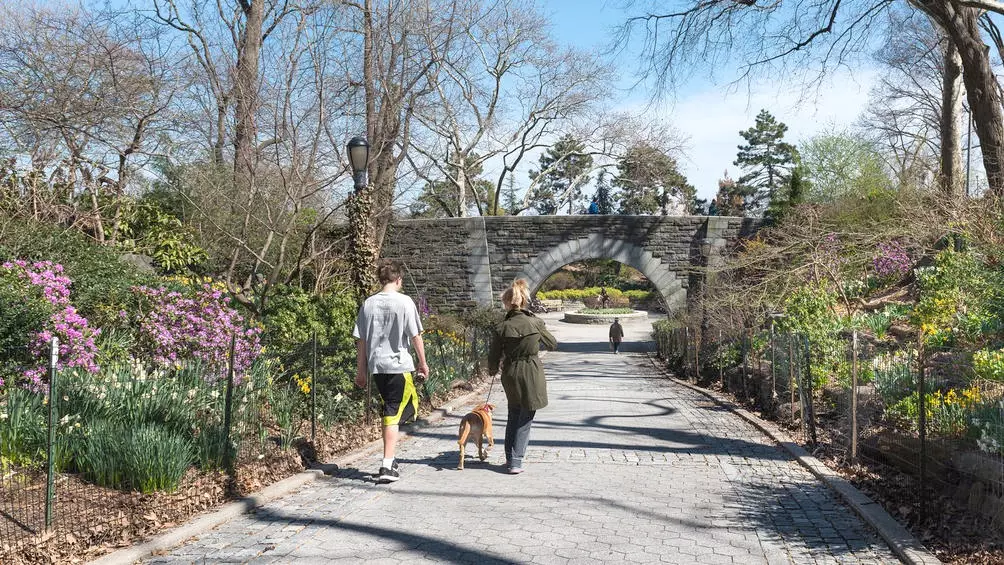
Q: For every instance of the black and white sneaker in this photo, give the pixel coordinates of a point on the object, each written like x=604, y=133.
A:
x=386, y=475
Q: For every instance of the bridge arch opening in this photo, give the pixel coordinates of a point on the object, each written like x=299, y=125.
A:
x=583, y=281
x=669, y=287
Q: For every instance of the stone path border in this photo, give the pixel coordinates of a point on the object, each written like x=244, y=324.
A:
x=900, y=540
x=202, y=524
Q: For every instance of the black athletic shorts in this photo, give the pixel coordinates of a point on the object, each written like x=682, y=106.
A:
x=400, y=398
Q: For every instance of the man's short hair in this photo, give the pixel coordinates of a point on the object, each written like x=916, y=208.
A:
x=617, y=320
x=389, y=270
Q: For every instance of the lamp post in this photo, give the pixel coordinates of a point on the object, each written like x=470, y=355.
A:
x=361, y=253
x=359, y=158
x=362, y=256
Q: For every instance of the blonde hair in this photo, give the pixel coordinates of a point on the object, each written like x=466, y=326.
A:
x=517, y=296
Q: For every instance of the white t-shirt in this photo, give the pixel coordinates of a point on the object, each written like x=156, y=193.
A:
x=386, y=322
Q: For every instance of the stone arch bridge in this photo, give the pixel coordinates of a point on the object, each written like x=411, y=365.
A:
x=459, y=262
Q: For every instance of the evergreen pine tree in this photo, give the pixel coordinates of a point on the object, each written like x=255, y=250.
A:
x=510, y=205
x=767, y=161
x=560, y=176
x=604, y=193
x=649, y=182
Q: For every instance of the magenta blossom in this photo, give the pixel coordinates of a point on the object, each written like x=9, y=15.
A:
x=174, y=327
x=77, y=347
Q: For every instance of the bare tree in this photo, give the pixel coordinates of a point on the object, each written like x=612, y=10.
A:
x=83, y=97
x=781, y=38
x=501, y=54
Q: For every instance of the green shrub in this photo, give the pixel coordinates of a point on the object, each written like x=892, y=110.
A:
x=809, y=311
x=989, y=365
x=609, y=311
x=289, y=411
x=209, y=446
x=449, y=359
x=895, y=377
x=561, y=280
x=579, y=294
x=101, y=281
x=23, y=314
x=147, y=458
x=292, y=316
x=960, y=301
x=988, y=426
x=23, y=417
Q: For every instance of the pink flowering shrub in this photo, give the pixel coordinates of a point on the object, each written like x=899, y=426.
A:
x=891, y=260
x=173, y=327
x=76, y=338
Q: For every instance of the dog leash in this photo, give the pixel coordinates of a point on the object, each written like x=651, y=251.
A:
x=490, y=386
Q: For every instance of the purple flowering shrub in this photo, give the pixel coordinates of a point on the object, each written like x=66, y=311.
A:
x=77, y=347
x=172, y=327
x=891, y=260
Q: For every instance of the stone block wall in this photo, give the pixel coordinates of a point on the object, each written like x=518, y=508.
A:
x=459, y=262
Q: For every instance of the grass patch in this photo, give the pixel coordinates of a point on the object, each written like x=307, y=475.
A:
x=607, y=311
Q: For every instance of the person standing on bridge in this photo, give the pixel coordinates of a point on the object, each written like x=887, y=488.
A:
x=387, y=322
x=616, y=335
x=515, y=346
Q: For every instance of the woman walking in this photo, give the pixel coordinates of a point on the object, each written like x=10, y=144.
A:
x=515, y=345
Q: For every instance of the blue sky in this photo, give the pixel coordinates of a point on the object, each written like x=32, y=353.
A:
x=708, y=114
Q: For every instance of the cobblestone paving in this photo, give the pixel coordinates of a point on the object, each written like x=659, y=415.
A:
x=623, y=467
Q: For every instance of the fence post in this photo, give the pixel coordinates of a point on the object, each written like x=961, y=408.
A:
x=792, y=382
x=228, y=403
x=313, y=389
x=50, y=482
x=773, y=375
x=810, y=413
x=721, y=360
x=745, y=346
x=854, y=397
x=922, y=393
x=686, y=346
x=698, y=338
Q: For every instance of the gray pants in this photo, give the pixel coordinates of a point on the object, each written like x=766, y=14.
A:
x=517, y=434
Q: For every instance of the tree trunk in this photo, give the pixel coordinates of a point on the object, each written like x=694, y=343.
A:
x=961, y=24
x=951, y=108
x=462, y=190
x=246, y=94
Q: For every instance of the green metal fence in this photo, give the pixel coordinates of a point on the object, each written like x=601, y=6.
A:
x=93, y=441
x=924, y=413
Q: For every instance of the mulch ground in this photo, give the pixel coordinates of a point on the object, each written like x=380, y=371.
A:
x=94, y=520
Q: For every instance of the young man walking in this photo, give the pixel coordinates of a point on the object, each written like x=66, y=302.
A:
x=386, y=323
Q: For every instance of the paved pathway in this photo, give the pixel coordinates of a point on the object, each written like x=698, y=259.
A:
x=623, y=467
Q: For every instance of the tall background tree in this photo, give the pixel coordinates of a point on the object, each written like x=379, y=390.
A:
x=604, y=195
x=767, y=161
x=649, y=182
x=562, y=172
x=686, y=35
x=730, y=198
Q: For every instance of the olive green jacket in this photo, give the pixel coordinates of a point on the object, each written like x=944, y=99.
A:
x=515, y=344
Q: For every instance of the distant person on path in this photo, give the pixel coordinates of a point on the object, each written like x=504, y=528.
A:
x=616, y=334
x=604, y=297
x=594, y=206
x=515, y=345
x=387, y=321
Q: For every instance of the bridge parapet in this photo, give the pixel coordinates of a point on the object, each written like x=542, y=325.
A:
x=459, y=262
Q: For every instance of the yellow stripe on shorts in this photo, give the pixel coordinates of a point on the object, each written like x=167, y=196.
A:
x=410, y=396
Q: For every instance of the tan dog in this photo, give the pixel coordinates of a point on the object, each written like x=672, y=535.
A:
x=477, y=425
